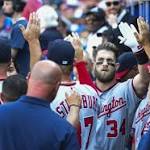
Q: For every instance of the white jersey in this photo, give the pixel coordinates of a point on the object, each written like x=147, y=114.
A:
x=1, y=83
x=141, y=122
x=115, y=116
x=88, y=111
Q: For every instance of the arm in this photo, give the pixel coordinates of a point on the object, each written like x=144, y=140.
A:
x=132, y=39
x=31, y=34
x=141, y=81
x=84, y=76
x=74, y=102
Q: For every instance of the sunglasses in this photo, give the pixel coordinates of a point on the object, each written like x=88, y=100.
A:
x=115, y=3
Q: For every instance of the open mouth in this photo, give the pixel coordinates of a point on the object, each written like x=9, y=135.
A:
x=105, y=70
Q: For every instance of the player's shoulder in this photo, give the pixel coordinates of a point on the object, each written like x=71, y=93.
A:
x=85, y=87
x=124, y=84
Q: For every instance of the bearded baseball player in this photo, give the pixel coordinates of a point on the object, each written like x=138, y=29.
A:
x=117, y=101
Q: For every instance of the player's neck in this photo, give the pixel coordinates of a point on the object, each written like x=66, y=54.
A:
x=105, y=86
x=66, y=78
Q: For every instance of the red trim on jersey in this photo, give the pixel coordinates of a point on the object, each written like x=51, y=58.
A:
x=84, y=76
x=2, y=79
x=107, y=89
x=71, y=83
x=79, y=134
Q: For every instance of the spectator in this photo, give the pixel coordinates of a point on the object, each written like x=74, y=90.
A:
x=43, y=128
x=19, y=47
x=13, y=88
x=5, y=26
x=97, y=26
x=31, y=6
x=5, y=60
x=8, y=8
x=117, y=13
x=48, y=25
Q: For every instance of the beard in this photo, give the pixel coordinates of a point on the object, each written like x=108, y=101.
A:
x=8, y=14
x=104, y=78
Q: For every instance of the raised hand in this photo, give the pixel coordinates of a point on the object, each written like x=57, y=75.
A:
x=143, y=37
x=32, y=31
x=128, y=37
x=77, y=45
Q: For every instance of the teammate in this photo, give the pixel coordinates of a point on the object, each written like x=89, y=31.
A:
x=141, y=123
x=118, y=101
x=62, y=52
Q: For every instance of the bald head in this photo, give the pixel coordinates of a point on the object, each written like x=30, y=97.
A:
x=44, y=80
x=46, y=71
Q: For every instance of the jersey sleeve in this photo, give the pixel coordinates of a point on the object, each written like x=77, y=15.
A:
x=84, y=76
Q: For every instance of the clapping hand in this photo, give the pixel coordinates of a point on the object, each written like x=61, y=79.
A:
x=32, y=31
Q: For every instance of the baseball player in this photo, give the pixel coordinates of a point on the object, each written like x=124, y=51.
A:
x=140, y=121
x=62, y=52
x=118, y=101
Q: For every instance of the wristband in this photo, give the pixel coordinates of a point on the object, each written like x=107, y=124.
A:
x=141, y=57
x=75, y=105
x=137, y=49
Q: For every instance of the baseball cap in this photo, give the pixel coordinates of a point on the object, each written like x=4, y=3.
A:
x=127, y=61
x=61, y=52
x=5, y=51
x=97, y=12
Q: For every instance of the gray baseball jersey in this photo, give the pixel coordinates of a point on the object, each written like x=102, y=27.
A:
x=88, y=111
x=141, y=122
x=115, y=116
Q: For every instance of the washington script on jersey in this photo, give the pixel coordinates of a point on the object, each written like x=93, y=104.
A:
x=88, y=101
x=113, y=106
x=143, y=112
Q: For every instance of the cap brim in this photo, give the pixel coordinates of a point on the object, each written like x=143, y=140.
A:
x=120, y=75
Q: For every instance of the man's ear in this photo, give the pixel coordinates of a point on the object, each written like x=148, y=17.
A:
x=2, y=99
x=117, y=66
x=28, y=76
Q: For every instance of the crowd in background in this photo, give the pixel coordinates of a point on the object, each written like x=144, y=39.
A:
x=52, y=47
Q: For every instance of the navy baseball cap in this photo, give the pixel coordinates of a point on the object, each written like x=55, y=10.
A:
x=5, y=51
x=97, y=12
x=61, y=52
x=127, y=61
